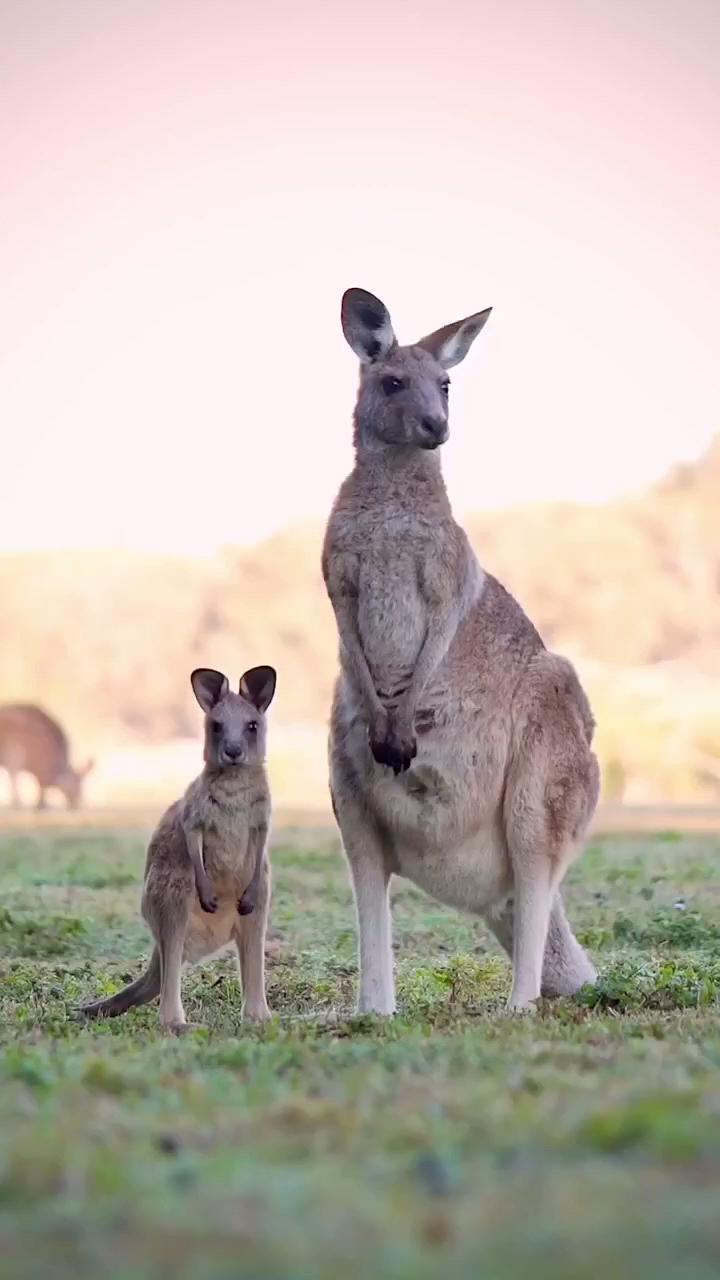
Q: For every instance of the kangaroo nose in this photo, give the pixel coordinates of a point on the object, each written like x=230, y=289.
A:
x=435, y=430
x=232, y=752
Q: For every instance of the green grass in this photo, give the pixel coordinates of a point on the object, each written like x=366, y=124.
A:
x=454, y=1141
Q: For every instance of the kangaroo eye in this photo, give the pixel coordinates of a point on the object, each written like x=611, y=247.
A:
x=252, y=726
x=390, y=385
x=445, y=387
x=216, y=726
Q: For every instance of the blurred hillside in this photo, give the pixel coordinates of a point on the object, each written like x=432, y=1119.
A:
x=629, y=590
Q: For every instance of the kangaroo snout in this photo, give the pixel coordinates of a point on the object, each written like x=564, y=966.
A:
x=434, y=432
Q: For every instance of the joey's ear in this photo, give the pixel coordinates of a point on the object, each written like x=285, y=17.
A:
x=367, y=325
x=208, y=686
x=86, y=768
x=258, y=686
x=451, y=344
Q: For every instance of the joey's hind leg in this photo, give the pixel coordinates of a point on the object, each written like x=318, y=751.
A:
x=249, y=938
x=168, y=919
x=171, y=946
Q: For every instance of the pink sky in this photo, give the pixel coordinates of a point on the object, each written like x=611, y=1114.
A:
x=189, y=185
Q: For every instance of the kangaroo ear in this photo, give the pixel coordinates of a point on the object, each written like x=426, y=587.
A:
x=208, y=686
x=86, y=768
x=258, y=686
x=367, y=325
x=451, y=344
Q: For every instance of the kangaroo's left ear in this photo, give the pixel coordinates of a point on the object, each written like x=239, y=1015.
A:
x=451, y=344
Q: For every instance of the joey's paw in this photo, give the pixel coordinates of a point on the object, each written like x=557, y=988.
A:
x=245, y=906
x=396, y=750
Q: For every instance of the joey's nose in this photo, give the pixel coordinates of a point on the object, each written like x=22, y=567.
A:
x=434, y=432
x=232, y=752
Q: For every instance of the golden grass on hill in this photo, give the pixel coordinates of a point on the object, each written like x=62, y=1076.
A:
x=629, y=590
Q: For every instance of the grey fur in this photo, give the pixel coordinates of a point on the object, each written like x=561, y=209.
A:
x=207, y=872
x=460, y=751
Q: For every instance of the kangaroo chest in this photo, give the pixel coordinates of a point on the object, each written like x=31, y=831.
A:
x=392, y=612
x=228, y=857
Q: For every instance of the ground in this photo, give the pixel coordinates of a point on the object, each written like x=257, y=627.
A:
x=454, y=1141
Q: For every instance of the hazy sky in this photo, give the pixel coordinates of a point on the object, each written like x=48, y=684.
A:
x=189, y=185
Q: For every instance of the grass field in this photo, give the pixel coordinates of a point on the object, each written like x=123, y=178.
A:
x=454, y=1141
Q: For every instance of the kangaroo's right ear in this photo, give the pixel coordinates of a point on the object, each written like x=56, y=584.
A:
x=367, y=325
x=208, y=686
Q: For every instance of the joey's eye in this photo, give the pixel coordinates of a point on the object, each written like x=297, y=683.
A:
x=252, y=726
x=390, y=385
x=216, y=726
x=445, y=387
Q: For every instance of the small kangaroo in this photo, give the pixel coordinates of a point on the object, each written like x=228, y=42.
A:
x=459, y=746
x=31, y=741
x=207, y=873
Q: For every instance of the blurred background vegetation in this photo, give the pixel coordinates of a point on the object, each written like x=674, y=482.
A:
x=630, y=590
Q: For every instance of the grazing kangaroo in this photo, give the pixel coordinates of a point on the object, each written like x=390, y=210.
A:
x=459, y=746
x=32, y=742
x=207, y=873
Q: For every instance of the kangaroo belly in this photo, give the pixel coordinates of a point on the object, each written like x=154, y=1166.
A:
x=450, y=798
x=229, y=866
x=471, y=876
x=447, y=836
x=208, y=933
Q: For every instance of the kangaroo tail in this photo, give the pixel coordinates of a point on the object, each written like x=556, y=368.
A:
x=142, y=990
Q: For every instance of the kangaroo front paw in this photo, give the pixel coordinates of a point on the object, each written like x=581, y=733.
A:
x=206, y=894
x=396, y=750
x=245, y=906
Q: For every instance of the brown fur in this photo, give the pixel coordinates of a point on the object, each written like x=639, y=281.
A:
x=33, y=742
x=207, y=872
x=459, y=747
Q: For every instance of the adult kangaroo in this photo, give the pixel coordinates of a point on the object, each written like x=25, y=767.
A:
x=459, y=746
x=32, y=741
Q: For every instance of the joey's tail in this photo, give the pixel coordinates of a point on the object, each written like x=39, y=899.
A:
x=142, y=990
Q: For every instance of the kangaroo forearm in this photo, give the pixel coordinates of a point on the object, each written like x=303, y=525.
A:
x=257, y=843
x=355, y=662
x=362, y=680
x=341, y=577
x=435, y=646
x=194, y=841
x=258, y=840
x=203, y=884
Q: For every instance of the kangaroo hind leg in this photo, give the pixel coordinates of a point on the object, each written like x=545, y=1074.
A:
x=549, y=799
